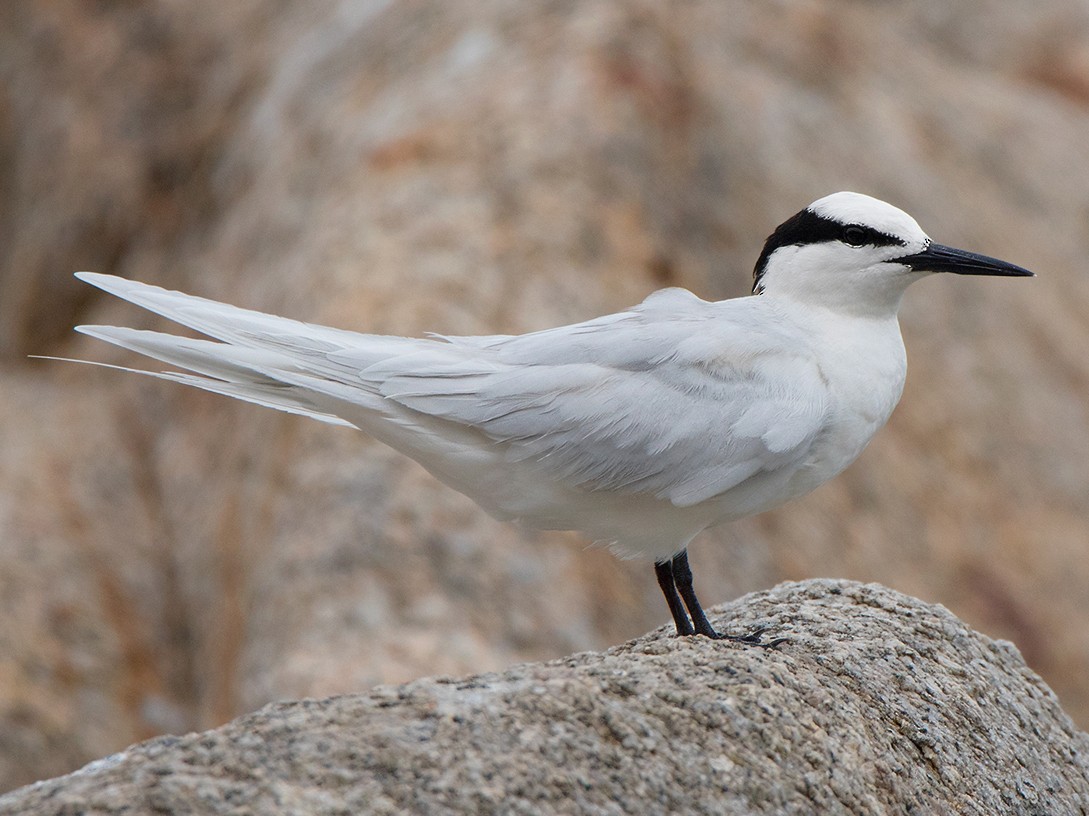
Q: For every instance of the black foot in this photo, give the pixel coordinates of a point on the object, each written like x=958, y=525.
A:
x=754, y=638
x=675, y=580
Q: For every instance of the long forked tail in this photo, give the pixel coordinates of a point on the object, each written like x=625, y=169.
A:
x=261, y=358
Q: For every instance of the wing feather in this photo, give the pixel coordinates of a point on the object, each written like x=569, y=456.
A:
x=638, y=403
x=676, y=397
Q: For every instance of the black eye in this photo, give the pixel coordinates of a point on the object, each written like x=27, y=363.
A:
x=854, y=236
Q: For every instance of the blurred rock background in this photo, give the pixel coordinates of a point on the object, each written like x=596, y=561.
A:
x=170, y=559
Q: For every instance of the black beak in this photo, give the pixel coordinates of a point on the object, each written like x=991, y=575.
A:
x=938, y=258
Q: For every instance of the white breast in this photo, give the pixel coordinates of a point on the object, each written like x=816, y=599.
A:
x=865, y=365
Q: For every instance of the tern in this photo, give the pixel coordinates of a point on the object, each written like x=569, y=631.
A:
x=640, y=428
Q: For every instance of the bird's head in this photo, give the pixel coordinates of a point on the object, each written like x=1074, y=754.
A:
x=854, y=253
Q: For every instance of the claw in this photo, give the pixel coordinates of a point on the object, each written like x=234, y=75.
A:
x=753, y=638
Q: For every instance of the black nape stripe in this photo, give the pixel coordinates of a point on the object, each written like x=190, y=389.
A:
x=807, y=227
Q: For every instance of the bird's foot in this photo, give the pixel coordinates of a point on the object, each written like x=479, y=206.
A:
x=751, y=638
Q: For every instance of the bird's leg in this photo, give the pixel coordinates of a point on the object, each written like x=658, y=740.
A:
x=664, y=571
x=682, y=578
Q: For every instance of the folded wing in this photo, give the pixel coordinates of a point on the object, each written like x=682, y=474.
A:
x=679, y=398
x=683, y=403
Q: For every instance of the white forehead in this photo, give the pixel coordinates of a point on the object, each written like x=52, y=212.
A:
x=856, y=208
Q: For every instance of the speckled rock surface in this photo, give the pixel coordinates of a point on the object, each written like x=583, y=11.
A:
x=875, y=703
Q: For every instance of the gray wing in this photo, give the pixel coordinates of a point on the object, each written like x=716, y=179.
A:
x=678, y=397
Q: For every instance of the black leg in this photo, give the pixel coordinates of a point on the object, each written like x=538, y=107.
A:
x=664, y=571
x=682, y=577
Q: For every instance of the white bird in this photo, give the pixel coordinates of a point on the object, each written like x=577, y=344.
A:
x=640, y=428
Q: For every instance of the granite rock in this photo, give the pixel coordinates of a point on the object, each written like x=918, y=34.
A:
x=874, y=703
